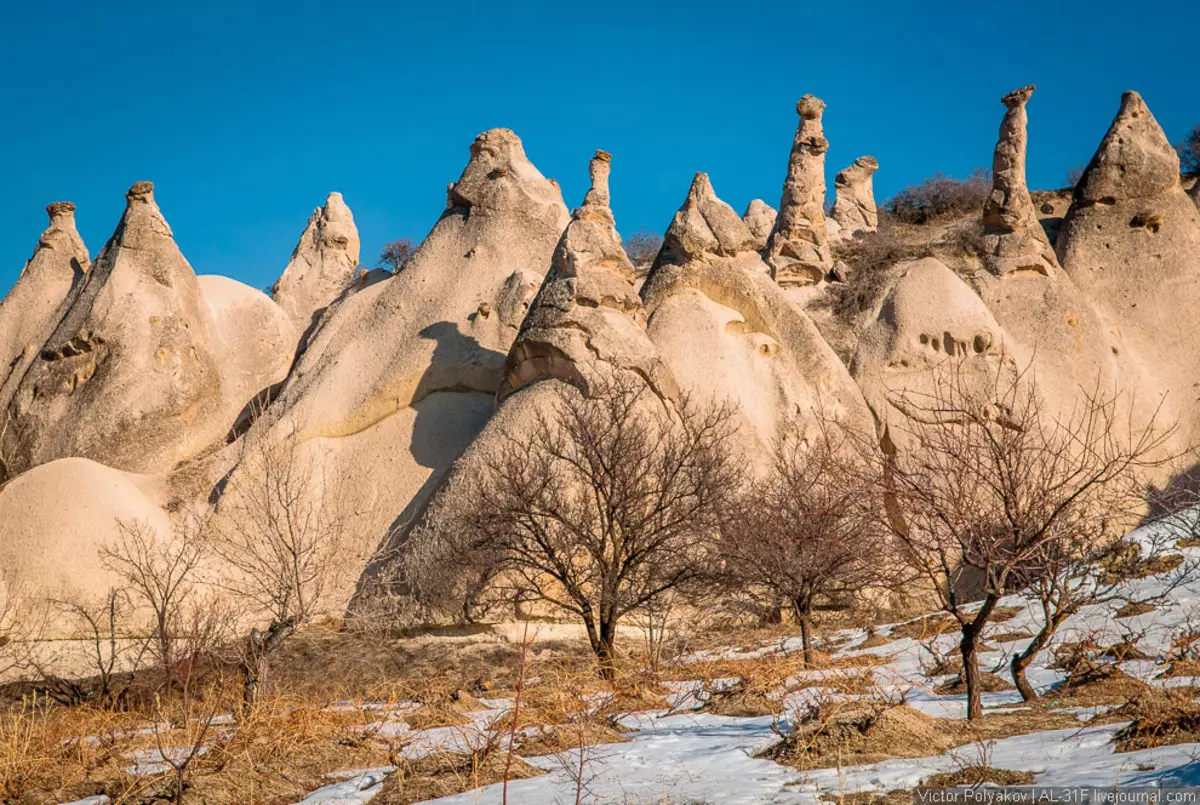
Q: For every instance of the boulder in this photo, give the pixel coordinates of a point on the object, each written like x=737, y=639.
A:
x=798, y=247
x=31, y=309
x=759, y=218
x=131, y=376
x=1014, y=240
x=854, y=209
x=323, y=264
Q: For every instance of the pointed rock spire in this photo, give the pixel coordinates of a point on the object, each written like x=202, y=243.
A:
x=1135, y=159
x=1013, y=237
x=129, y=376
x=854, y=209
x=705, y=225
x=587, y=312
x=759, y=217
x=323, y=264
x=32, y=307
x=798, y=249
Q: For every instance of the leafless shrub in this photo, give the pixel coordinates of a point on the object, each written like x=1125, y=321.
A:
x=642, y=247
x=810, y=532
x=396, y=254
x=610, y=503
x=1189, y=151
x=1075, y=174
x=282, y=522
x=940, y=196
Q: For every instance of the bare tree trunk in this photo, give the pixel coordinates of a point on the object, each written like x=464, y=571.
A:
x=804, y=613
x=969, y=645
x=256, y=664
x=606, y=651
x=1022, y=660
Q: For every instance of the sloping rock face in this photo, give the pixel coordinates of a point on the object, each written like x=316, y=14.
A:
x=585, y=326
x=798, y=248
x=400, y=376
x=587, y=310
x=759, y=218
x=854, y=209
x=131, y=375
x=729, y=333
x=1131, y=243
x=31, y=309
x=1013, y=238
x=323, y=263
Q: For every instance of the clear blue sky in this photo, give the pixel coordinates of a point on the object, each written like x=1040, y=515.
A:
x=245, y=114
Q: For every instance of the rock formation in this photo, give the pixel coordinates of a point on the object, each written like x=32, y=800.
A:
x=400, y=376
x=727, y=332
x=130, y=376
x=854, y=208
x=798, y=248
x=760, y=219
x=587, y=311
x=706, y=225
x=32, y=308
x=323, y=263
x=1014, y=239
x=1131, y=243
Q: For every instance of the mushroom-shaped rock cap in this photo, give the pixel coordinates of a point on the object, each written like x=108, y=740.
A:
x=140, y=192
x=1134, y=160
x=1018, y=97
x=63, y=211
x=811, y=107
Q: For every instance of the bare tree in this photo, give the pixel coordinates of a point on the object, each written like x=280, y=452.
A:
x=283, y=521
x=611, y=502
x=1189, y=150
x=1074, y=174
x=642, y=247
x=811, y=530
x=161, y=575
x=396, y=253
x=991, y=487
x=18, y=624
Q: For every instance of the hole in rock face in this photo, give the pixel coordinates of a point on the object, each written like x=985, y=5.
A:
x=1146, y=220
x=981, y=342
x=949, y=344
x=924, y=338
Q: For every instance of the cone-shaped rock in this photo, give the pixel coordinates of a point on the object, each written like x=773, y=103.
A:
x=31, y=309
x=705, y=225
x=1131, y=243
x=1013, y=237
x=323, y=263
x=798, y=249
x=728, y=332
x=587, y=310
x=129, y=377
x=854, y=208
x=399, y=376
x=759, y=218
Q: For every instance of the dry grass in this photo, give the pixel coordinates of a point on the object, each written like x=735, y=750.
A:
x=978, y=775
x=1089, y=684
x=926, y=627
x=1159, y=718
x=1009, y=637
x=988, y=682
x=854, y=732
x=1133, y=609
x=442, y=775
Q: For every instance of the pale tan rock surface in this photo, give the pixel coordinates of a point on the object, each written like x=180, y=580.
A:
x=58, y=516
x=585, y=326
x=131, y=376
x=1014, y=240
x=759, y=218
x=1131, y=243
x=854, y=208
x=929, y=321
x=323, y=264
x=31, y=309
x=729, y=333
x=258, y=338
x=587, y=311
x=400, y=376
x=798, y=248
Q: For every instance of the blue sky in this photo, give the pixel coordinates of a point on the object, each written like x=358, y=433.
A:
x=246, y=114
